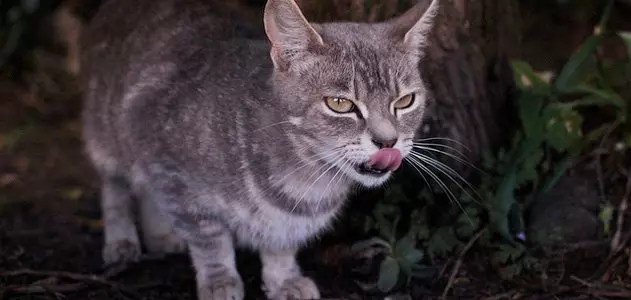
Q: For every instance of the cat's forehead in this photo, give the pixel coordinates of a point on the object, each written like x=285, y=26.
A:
x=355, y=37
x=367, y=59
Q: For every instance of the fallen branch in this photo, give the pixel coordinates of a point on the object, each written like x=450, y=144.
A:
x=622, y=209
x=50, y=285
x=454, y=270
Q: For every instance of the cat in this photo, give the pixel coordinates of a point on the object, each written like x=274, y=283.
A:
x=228, y=138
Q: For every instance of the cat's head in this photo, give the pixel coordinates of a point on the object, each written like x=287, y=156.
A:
x=353, y=91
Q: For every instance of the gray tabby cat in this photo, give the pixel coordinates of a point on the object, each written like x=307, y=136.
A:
x=230, y=140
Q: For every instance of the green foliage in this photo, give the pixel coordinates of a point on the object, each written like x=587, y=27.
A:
x=401, y=259
x=552, y=133
x=552, y=126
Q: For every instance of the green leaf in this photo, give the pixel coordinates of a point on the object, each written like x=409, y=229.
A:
x=514, y=252
x=467, y=222
x=388, y=274
x=528, y=170
x=596, y=97
x=510, y=271
x=423, y=272
x=563, y=128
x=605, y=216
x=405, y=245
x=406, y=269
x=626, y=37
x=412, y=257
x=422, y=232
x=527, y=78
x=571, y=71
x=500, y=257
x=442, y=242
x=372, y=242
x=530, y=106
x=501, y=205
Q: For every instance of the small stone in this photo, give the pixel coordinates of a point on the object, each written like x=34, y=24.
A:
x=568, y=213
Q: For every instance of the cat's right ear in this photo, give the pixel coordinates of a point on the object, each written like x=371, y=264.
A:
x=289, y=32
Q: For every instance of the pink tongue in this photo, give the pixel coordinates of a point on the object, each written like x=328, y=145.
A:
x=388, y=158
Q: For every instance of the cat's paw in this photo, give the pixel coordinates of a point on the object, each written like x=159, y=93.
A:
x=121, y=251
x=297, y=288
x=227, y=288
x=165, y=244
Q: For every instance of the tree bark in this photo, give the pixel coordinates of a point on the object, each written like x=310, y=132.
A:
x=469, y=71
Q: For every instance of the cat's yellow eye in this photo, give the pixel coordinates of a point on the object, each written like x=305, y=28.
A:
x=404, y=102
x=339, y=105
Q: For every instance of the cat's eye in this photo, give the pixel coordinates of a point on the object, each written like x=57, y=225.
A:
x=404, y=102
x=340, y=105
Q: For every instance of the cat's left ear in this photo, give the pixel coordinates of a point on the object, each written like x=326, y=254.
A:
x=415, y=26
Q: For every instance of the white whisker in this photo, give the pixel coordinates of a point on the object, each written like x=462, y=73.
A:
x=339, y=171
x=443, y=186
x=444, y=139
x=272, y=125
x=330, y=165
x=448, y=172
x=459, y=159
x=307, y=162
x=419, y=172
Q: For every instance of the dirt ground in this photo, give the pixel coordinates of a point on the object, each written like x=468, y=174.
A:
x=50, y=227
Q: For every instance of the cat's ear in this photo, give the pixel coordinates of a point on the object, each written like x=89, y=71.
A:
x=289, y=32
x=415, y=26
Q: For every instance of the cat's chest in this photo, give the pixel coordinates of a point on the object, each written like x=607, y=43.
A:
x=278, y=229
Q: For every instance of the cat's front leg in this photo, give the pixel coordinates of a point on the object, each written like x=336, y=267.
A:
x=282, y=278
x=209, y=241
x=214, y=261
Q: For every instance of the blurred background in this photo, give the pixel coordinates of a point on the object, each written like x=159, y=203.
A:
x=532, y=107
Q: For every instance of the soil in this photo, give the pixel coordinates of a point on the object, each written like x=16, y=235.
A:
x=51, y=232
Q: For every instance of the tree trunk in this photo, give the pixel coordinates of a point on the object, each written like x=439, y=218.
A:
x=469, y=72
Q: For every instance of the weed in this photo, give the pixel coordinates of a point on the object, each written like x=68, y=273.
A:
x=552, y=135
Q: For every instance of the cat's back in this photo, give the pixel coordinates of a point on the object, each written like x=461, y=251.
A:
x=128, y=36
x=135, y=50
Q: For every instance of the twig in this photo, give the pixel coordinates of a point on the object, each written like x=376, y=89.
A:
x=581, y=281
x=599, y=291
x=622, y=209
x=611, y=260
x=506, y=295
x=82, y=281
x=443, y=270
x=458, y=263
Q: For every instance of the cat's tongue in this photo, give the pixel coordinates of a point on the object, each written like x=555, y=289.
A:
x=386, y=159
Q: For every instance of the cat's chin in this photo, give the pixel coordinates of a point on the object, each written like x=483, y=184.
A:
x=368, y=178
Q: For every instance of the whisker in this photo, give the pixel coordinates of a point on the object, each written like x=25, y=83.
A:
x=444, y=139
x=302, y=165
x=420, y=173
x=272, y=125
x=449, y=172
x=330, y=165
x=459, y=159
x=443, y=186
x=439, y=145
x=339, y=170
x=307, y=162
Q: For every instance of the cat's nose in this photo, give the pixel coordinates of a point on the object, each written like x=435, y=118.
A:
x=384, y=143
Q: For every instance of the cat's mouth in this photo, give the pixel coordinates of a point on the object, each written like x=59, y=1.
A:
x=382, y=162
x=365, y=169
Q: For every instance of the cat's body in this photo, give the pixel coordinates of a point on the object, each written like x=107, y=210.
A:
x=224, y=146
